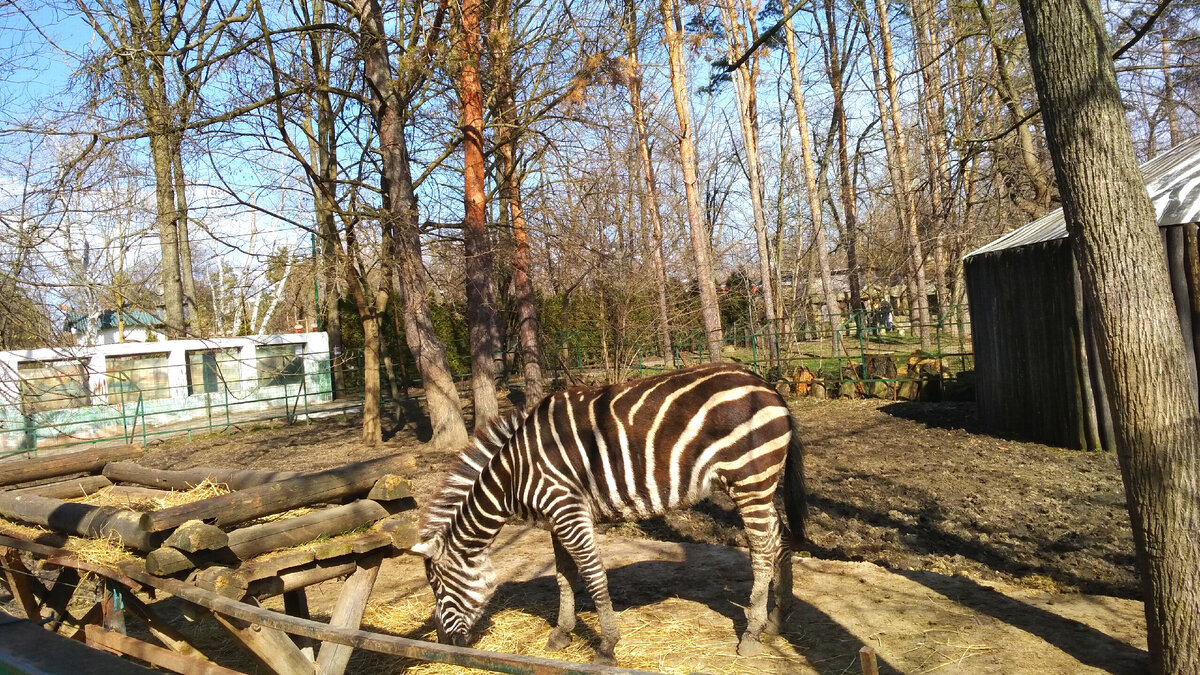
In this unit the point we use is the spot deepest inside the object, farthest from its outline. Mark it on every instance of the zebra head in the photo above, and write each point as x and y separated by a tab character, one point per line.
461	588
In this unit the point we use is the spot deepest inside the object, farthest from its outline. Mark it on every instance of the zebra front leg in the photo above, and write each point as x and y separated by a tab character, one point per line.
566	574
574	532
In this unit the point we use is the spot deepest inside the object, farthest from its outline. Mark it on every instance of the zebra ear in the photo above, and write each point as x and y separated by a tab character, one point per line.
429	548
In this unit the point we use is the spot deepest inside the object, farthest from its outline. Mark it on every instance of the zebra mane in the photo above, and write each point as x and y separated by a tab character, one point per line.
485	443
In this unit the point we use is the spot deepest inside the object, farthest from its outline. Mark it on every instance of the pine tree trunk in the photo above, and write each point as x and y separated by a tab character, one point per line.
1127	294
672	25
481	300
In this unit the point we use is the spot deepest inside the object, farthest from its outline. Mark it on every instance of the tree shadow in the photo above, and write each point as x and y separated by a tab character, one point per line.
1084	643
952	415
405	413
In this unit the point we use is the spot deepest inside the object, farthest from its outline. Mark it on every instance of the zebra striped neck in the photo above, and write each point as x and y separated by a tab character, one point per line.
440	511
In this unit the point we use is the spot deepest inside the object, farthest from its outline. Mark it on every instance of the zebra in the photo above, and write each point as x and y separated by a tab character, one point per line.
617	453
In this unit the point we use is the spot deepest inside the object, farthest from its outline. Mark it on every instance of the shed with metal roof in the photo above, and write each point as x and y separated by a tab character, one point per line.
1036	370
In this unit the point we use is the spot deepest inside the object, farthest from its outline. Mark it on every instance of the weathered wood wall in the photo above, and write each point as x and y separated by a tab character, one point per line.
1037	375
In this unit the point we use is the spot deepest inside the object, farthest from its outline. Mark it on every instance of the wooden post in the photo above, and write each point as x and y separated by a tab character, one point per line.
14	471
152	654
348	613
866	656
262	500
20	582
271	646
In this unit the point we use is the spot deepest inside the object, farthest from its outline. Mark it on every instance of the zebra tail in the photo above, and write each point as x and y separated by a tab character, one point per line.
795	500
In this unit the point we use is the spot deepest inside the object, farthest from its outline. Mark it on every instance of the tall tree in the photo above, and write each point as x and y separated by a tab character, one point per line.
711	313
1115	239
481	298
650	197
745	80
388	98
810	174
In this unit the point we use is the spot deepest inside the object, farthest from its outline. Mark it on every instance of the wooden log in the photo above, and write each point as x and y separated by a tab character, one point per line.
347	613
152	654
113	605
402	528
250	542
300	579
13	471
81	519
163	479
270	646
389	488
161	629
222	580
75	488
194	536
254	502
137	493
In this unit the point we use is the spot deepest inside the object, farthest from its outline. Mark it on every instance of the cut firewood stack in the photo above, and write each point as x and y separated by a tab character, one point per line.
236	543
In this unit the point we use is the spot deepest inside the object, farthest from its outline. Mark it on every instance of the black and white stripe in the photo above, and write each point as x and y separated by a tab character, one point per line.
622	452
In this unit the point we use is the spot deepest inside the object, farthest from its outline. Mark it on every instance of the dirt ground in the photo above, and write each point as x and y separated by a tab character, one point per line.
943	548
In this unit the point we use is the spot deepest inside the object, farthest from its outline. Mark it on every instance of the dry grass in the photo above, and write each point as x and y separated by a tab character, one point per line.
204	490
657	638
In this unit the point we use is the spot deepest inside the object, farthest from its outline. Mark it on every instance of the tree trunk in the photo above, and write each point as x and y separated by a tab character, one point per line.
186	278
1127	294
441	396
481	300
499	41
650	196
849	199
745	80
919	303
673	26
160	150
810	174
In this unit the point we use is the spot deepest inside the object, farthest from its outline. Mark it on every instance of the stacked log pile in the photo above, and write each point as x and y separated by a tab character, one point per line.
877	377
274	534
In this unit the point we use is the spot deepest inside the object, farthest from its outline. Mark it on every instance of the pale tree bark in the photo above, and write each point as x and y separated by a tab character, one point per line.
400	224
650	200
500	44
835	68
481	299
673	27
810	174
933	108
918	302
745	80
1126	289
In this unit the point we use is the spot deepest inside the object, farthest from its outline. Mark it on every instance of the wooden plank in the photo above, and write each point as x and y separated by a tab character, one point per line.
152	654
361	639
163	479
160	628
348	613
21	583
92	617
271	646
295	603
75	488
262	500
81	519
113	606
13	471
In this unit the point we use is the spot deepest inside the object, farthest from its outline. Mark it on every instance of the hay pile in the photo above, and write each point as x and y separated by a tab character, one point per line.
110	497
657	638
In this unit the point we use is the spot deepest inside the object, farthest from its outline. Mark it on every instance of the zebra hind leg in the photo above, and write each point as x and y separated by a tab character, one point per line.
783	592
762	531
566	574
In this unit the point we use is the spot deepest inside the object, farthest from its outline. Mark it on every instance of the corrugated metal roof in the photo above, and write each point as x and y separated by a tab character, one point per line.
1172	181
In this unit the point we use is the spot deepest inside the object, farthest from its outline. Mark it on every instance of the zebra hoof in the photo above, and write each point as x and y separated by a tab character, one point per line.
602	659
558	639
749	647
